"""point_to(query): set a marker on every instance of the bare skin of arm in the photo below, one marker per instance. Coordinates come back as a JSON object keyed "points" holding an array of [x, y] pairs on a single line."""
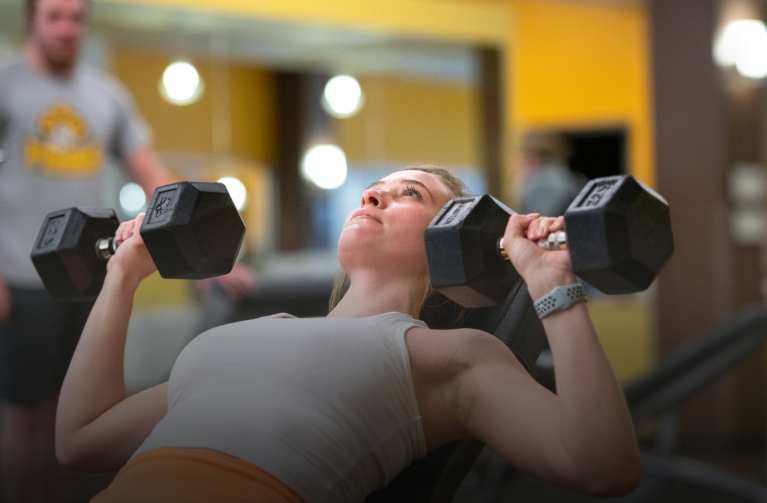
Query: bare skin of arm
{"points": [[146, 169], [98, 427], [5, 301], [469, 384]]}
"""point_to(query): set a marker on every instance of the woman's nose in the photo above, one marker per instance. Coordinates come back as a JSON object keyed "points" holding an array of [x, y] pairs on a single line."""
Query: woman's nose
{"points": [[372, 197]]}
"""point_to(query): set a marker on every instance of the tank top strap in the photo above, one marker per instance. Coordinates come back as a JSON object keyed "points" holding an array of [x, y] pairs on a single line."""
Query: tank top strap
{"points": [[395, 318]]}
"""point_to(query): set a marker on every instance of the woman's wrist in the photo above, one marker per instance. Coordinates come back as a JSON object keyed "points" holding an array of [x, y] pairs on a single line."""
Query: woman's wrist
{"points": [[122, 279], [543, 282]]}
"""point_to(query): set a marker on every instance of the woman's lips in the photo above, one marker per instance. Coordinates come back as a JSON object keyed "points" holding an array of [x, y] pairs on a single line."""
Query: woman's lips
{"points": [[365, 214]]}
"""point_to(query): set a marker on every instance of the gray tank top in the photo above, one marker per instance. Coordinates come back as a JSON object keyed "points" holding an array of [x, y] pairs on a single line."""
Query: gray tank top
{"points": [[326, 405]]}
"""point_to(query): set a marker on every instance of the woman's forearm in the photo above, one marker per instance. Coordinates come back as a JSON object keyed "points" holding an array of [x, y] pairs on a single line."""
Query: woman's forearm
{"points": [[585, 432], [596, 426], [95, 382]]}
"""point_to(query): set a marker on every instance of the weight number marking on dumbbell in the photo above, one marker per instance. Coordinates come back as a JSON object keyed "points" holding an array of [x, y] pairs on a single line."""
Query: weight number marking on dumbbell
{"points": [[51, 232], [597, 193], [163, 208], [454, 212]]}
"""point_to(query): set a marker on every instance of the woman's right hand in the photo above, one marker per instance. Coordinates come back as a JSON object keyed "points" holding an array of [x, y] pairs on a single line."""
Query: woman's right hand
{"points": [[542, 270], [132, 258]]}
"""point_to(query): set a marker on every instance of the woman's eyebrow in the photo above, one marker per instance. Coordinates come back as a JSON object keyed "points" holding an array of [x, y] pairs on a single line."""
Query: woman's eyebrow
{"points": [[404, 181]]}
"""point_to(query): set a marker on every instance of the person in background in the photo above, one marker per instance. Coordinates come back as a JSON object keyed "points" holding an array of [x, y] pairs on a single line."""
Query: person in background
{"points": [[548, 184], [59, 125]]}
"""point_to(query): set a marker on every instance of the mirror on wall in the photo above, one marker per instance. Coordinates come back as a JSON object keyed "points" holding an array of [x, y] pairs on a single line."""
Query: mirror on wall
{"points": [[208, 86]]}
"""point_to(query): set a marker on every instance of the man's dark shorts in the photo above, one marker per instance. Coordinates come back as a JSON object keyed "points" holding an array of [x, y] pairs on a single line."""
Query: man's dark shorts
{"points": [[36, 345]]}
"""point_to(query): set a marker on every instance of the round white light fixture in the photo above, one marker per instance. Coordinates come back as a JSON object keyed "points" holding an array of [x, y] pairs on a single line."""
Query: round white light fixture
{"points": [[325, 165], [342, 97], [236, 190], [132, 198], [181, 84], [743, 43]]}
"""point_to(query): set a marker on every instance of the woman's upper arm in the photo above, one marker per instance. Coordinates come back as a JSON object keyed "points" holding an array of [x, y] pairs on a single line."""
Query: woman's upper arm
{"points": [[500, 404], [108, 442]]}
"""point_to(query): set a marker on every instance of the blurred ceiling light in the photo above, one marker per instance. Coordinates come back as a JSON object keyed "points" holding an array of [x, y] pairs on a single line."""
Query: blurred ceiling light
{"points": [[132, 198], [342, 97], [325, 165], [743, 43], [236, 189], [181, 84]]}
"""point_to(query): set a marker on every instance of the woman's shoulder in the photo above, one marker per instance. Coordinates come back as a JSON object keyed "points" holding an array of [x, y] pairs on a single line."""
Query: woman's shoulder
{"points": [[455, 348], [454, 335]]}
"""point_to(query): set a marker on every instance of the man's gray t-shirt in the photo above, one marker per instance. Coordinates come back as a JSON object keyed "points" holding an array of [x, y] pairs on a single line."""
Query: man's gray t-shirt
{"points": [[56, 135]]}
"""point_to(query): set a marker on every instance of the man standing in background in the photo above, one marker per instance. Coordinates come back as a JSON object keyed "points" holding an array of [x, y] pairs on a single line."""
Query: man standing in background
{"points": [[59, 124], [548, 183]]}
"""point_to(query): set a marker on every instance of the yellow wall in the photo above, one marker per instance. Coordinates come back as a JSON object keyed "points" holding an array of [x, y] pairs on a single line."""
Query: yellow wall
{"points": [[407, 121], [243, 148], [190, 128], [625, 327], [580, 64]]}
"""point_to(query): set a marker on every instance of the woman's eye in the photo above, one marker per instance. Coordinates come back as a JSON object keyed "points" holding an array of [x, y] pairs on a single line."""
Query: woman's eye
{"points": [[411, 191]]}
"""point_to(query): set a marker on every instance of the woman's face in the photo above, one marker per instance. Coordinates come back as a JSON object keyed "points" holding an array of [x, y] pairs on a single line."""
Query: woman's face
{"points": [[388, 226]]}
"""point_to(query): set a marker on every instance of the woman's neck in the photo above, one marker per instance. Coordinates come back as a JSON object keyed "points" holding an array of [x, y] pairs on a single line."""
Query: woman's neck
{"points": [[374, 293]]}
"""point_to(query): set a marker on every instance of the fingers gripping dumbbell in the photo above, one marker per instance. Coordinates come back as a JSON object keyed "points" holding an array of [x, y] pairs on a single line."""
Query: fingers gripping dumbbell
{"points": [[556, 241], [192, 230], [618, 235]]}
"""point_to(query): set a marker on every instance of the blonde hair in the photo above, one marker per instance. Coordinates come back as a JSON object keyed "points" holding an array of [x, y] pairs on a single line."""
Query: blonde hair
{"points": [[436, 309]]}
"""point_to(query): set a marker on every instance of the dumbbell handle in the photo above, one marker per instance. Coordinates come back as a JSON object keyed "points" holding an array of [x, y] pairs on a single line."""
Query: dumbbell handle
{"points": [[106, 247], [555, 241]]}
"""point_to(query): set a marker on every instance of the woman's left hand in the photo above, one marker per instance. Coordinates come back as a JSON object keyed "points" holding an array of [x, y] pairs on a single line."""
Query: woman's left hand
{"points": [[132, 257], [541, 269]]}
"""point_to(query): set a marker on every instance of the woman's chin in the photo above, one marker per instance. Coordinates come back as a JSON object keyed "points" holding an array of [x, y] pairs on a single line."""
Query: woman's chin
{"points": [[356, 244], [359, 231]]}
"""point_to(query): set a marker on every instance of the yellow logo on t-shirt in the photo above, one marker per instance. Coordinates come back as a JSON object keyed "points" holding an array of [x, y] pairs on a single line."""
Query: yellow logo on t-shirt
{"points": [[60, 147]]}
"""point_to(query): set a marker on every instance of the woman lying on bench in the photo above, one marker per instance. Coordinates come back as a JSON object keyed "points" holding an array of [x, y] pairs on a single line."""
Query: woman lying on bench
{"points": [[282, 409]]}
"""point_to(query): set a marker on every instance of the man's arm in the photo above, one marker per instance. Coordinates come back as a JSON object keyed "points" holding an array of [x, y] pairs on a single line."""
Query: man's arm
{"points": [[5, 294], [146, 169], [5, 301]]}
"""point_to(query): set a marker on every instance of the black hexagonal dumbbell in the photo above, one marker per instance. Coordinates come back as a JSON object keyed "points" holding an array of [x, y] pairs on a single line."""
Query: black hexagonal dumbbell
{"points": [[618, 236], [192, 230]]}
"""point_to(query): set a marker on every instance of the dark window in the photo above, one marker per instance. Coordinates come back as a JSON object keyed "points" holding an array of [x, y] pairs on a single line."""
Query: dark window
{"points": [[597, 152]]}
